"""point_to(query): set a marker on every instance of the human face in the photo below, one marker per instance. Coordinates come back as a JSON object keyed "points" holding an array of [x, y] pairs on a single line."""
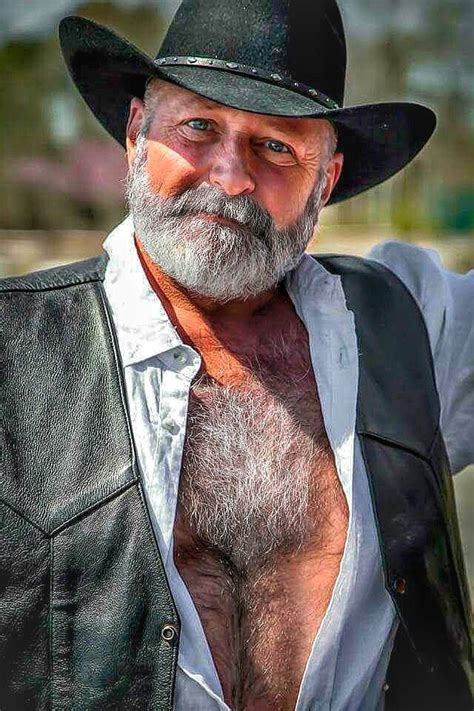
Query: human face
{"points": [[212, 239], [220, 247], [194, 141]]}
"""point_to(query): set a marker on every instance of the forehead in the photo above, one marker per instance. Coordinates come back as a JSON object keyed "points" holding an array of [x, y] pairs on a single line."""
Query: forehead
{"points": [[175, 100]]}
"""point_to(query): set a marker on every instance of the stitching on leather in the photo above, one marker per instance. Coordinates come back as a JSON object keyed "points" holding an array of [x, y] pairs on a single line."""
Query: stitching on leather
{"points": [[23, 517], [119, 371], [73, 519], [51, 623], [393, 443], [101, 302], [154, 547], [172, 678], [84, 512], [150, 539], [157, 554], [432, 447], [17, 284], [90, 279], [90, 509]]}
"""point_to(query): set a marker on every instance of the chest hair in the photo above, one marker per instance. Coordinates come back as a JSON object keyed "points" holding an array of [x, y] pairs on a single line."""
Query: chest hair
{"points": [[259, 498]]}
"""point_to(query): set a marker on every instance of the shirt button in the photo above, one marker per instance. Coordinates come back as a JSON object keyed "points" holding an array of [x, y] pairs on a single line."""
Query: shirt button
{"points": [[171, 426], [385, 687], [180, 357]]}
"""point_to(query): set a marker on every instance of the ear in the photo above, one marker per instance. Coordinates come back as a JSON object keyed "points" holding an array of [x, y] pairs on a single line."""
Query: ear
{"points": [[333, 173], [135, 119]]}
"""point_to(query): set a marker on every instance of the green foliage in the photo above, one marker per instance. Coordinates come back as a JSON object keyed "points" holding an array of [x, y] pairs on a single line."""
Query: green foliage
{"points": [[43, 117]]}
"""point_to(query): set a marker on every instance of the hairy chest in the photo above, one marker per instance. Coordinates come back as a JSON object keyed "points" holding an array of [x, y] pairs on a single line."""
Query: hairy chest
{"points": [[262, 522]]}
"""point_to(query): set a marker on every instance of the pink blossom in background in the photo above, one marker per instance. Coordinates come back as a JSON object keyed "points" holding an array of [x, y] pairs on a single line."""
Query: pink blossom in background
{"points": [[90, 172]]}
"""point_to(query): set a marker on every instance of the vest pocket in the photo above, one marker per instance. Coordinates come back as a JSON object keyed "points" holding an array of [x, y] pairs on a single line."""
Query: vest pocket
{"points": [[110, 602], [418, 550]]}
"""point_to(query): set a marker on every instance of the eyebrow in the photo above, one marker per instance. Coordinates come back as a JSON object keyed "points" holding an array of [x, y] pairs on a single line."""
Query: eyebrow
{"points": [[272, 122], [275, 126]]}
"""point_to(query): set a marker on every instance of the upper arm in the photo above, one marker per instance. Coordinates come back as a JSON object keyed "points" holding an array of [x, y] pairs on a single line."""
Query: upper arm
{"points": [[446, 300]]}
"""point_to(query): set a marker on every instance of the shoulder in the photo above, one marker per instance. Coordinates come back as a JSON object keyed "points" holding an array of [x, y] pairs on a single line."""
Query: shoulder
{"points": [[420, 269], [444, 297], [371, 284], [82, 272], [372, 272], [33, 306]]}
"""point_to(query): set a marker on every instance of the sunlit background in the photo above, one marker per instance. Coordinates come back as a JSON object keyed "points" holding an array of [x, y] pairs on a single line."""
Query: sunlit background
{"points": [[61, 175]]}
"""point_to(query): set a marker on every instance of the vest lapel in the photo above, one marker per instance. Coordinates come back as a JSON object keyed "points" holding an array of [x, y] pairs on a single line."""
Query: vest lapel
{"points": [[398, 427]]}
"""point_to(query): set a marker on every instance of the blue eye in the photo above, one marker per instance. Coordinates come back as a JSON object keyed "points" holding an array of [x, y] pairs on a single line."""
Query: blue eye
{"points": [[198, 124], [277, 146]]}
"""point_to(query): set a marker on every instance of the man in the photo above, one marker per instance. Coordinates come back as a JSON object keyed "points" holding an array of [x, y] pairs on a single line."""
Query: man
{"points": [[220, 490]]}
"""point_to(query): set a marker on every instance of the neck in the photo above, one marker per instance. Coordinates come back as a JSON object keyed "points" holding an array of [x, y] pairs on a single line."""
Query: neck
{"points": [[184, 304]]}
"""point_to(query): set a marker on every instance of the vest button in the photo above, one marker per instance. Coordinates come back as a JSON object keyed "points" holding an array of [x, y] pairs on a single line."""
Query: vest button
{"points": [[400, 586], [169, 633]]}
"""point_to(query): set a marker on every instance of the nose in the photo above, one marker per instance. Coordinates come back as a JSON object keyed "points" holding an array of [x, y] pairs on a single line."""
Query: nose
{"points": [[230, 170]]}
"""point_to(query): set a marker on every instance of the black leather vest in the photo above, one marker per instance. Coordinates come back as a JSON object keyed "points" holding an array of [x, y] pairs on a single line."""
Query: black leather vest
{"points": [[87, 620]]}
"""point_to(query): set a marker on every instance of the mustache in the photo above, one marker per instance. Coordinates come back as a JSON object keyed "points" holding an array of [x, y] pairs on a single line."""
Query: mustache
{"points": [[210, 200]]}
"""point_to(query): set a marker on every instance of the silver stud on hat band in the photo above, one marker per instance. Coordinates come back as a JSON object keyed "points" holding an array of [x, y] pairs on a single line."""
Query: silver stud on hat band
{"points": [[245, 70]]}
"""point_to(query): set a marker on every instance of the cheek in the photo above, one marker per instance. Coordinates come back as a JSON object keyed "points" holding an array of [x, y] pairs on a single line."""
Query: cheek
{"points": [[284, 195], [170, 172]]}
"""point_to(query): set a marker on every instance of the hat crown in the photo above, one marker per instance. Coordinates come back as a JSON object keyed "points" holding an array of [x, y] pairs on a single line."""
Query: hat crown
{"points": [[300, 39]]}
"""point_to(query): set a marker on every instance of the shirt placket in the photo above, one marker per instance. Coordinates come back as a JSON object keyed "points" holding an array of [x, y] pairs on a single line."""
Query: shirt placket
{"points": [[180, 365], [333, 348]]}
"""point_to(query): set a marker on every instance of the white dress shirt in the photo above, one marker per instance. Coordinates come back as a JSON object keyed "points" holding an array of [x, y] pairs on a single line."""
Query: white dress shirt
{"points": [[349, 657]]}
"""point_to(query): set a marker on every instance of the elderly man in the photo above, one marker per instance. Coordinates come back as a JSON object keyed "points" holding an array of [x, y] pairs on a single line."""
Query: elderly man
{"points": [[225, 481]]}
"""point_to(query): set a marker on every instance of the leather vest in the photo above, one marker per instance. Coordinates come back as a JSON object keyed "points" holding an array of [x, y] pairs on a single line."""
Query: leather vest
{"points": [[87, 620]]}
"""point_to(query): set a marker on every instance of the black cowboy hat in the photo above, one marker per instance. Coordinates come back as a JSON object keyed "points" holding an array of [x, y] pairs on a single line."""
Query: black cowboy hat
{"points": [[276, 57]]}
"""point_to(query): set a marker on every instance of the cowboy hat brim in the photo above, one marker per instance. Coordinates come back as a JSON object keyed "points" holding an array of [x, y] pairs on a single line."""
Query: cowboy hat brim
{"points": [[377, 140]]}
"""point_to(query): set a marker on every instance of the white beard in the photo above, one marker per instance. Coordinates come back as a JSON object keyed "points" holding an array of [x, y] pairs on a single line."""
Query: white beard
{"points": [[210, 258]]}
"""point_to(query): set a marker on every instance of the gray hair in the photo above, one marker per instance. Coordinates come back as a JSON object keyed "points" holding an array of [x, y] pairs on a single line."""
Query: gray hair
{"points": [[150, 101]]}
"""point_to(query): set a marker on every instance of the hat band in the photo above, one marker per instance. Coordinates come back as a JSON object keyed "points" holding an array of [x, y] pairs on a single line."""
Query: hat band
{"points": [[255, 72]]}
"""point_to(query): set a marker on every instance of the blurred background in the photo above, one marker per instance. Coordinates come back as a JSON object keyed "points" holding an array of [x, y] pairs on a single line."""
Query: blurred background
{"points": [[61, 175]]}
